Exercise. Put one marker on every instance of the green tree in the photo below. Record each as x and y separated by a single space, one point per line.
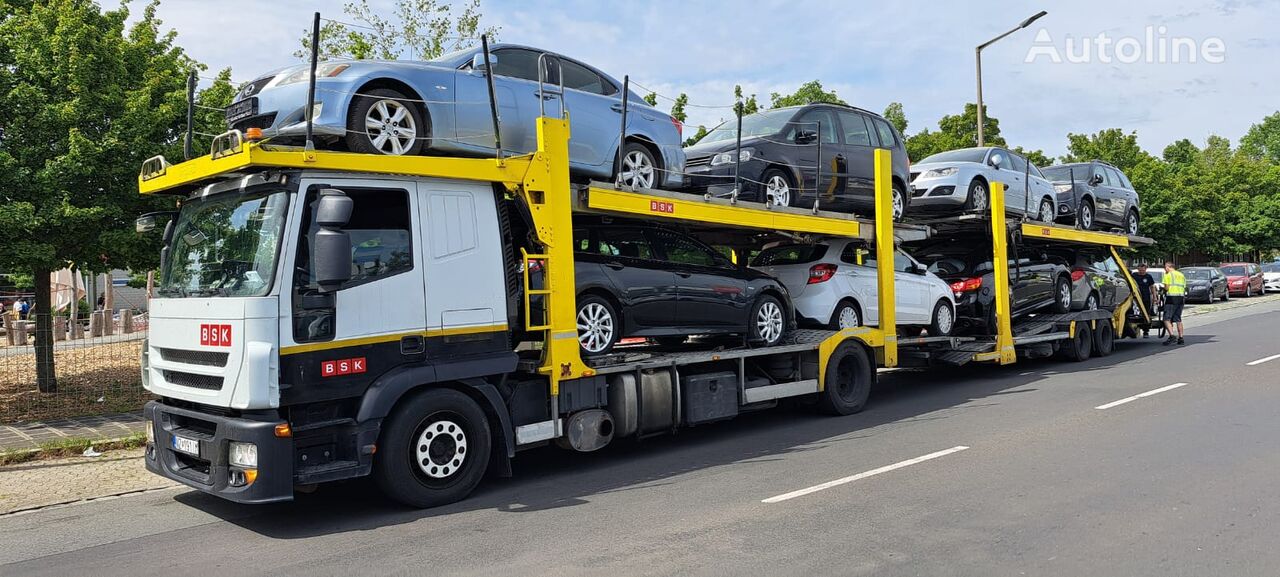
424 28
808 93
749 105
896 116
1037 157
954 131
1112 145
1181 152
651 98
702 131
677 108
1263 140
84 99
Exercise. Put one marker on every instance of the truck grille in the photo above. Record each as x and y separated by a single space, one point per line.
203 358
193 380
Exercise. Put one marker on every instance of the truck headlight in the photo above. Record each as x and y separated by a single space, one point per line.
243 455
727 157
937 172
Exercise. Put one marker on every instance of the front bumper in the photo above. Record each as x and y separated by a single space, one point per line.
210 472
938 193
1202 293
1272 285
719 181
281 110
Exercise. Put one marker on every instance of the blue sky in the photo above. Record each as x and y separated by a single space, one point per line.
871 53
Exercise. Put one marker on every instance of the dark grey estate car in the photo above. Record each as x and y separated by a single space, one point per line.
1096 194
780 158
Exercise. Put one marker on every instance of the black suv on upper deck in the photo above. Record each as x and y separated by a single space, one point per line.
780 158
1096 194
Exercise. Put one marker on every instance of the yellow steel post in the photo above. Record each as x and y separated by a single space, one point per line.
1133 288
1000 264
549 196
884 255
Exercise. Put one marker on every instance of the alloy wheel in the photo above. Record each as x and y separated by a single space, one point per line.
897 204
595 327
441 449
1133 224
1046 211
848 317
1064 295
390 127
777 191
769 321
1086 216
1091 303
980 197
637 170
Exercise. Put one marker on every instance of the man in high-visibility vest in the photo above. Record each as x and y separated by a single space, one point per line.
1175 288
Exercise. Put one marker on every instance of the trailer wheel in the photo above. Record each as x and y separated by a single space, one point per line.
847 384
434 449
1079 347
1104 339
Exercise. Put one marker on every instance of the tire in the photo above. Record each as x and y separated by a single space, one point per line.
1248 291
1046 213
899 203
847 384
599 326
943 320
1226 296
384 121
1079 347
1104 339
454 465
1091 302
1062 295
768 321
979 197
639 167
778 188
1086 218
1131 223
845 316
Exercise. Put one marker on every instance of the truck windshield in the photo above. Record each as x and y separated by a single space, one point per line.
225 245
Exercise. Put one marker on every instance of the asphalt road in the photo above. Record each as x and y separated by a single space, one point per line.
1179 482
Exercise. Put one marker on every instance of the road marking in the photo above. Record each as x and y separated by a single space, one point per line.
852 478
1140 395
1263 360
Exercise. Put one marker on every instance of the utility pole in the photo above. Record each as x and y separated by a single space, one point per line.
978 56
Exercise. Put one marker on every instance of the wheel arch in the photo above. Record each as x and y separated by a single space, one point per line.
788 307
650 145
403 88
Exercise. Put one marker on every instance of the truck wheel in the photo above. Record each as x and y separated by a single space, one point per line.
433 450
768 321
385 121
1104 339
847 384
1081 346
1062 295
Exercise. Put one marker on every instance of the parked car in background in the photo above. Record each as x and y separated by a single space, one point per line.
1097 280
1271 276
1096 195
1244 278
780 158
1205 283
1036 281
442 106
833 288
649 281
961 179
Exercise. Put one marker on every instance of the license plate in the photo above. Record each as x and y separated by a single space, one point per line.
242 110
185 445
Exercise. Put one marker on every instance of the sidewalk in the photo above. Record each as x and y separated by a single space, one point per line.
27 436
53 482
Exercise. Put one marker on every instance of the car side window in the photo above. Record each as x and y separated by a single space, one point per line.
682 250
516 63
579 77
1035 170
623 242
850 254
1102 171
1114 177
887 137
1124 180
855 129
1019 163
815 120
902 262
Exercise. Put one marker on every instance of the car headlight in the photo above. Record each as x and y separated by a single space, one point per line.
727 157
243 455
935 173
1062 187
324 70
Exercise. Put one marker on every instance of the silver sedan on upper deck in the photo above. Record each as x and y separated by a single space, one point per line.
960 180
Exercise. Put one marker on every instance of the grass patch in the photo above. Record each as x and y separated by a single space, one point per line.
71 447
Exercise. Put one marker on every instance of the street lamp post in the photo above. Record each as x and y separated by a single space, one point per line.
978 55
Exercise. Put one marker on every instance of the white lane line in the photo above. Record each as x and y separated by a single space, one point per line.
1262 360
852 478
1140 395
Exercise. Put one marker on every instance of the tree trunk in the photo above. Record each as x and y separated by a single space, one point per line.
46 376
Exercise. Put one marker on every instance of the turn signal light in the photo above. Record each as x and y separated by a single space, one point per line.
966 285
821 273
253 134
283 430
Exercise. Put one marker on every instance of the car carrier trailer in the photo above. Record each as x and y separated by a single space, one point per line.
434 376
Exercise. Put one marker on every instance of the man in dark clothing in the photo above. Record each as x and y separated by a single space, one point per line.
1146 290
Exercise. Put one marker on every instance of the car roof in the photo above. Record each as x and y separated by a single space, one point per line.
827 104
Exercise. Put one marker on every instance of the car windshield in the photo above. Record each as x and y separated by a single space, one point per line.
1273 267
962 155
790 254
765 123
1064 172
1235 270
1197 273
225 245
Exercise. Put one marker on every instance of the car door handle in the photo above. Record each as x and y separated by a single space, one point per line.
544 95
616 108
615 265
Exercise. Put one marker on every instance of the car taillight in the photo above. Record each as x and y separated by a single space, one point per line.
821 273
966 285
1077 274
679 125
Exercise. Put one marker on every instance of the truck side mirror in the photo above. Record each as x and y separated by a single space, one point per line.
149 221
332 245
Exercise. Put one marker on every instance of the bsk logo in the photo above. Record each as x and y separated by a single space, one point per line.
343 367
659 206
215 335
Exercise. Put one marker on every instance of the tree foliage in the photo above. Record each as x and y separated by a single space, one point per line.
896 116
1263 140
808 93
424 29
651 98
749 104
677 107
954 131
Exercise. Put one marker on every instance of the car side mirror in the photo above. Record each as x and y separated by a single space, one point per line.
995 160
1095 180
806 136
332 248
478 63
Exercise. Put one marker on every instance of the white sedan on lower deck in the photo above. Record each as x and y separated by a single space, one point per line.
833 285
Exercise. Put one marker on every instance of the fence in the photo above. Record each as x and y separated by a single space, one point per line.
96 362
